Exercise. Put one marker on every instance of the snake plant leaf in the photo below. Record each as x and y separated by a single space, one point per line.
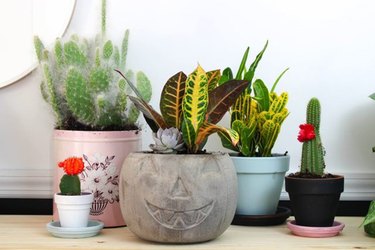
250 73
261 95
208 128
150 113
242 67
222 98
278 79
213 78
171 100
372 96
195 101
226 76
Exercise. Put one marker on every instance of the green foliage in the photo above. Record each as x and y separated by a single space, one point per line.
193 104
257 114
70 185
81 86
312 150
369 221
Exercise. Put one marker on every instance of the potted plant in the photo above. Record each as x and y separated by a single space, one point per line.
180 193
314 194
257 118
93 117
72 205
369 221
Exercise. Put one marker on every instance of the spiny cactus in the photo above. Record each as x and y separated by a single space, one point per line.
312 150
81 85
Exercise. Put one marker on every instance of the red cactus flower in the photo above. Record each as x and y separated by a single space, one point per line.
306 133
72 165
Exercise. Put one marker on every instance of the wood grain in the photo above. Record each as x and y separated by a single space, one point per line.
29 232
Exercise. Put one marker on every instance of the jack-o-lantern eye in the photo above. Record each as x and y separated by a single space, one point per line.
209 169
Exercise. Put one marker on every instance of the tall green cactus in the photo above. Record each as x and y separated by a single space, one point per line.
312 150
81 85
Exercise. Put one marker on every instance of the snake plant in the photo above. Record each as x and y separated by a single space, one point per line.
257 117
193 104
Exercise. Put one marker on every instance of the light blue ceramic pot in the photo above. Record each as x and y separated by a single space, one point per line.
260 180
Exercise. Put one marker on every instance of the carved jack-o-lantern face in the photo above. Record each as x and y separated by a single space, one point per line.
176 193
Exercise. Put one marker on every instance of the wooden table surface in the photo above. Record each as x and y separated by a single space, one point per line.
29 232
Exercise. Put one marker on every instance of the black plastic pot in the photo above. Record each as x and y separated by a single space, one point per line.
314 201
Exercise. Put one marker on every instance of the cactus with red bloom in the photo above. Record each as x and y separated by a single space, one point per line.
312 150
70 183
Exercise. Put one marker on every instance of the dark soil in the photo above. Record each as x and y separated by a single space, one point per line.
310 175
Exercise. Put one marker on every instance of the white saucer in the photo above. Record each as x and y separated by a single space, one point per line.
92 229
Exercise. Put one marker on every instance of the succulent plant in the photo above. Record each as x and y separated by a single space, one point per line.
70 183
193 104
80 84
312 161
257 118
167 141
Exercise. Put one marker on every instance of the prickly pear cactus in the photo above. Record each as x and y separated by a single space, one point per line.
312 150
80 84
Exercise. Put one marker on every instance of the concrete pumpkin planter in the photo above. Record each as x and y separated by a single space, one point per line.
178 198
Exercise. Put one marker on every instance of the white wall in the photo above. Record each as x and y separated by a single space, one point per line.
328 45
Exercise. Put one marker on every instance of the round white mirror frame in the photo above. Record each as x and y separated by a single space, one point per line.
20 20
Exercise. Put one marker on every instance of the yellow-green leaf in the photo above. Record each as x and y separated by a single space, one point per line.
171 100
213 78
208 128
195 101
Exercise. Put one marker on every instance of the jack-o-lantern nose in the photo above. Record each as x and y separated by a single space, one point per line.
179 190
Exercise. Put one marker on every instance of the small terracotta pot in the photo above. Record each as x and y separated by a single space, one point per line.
74 210
314 201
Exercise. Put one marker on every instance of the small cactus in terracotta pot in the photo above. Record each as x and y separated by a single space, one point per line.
314 194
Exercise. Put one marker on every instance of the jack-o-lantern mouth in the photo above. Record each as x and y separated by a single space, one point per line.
179 220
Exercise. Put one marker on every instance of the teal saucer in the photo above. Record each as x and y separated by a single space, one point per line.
92 229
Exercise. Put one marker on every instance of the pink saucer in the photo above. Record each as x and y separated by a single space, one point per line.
315 232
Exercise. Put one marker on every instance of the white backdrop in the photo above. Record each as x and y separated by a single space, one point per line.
328 45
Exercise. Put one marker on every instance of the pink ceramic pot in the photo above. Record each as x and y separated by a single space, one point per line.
103 153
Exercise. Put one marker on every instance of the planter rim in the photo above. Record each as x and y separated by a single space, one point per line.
76 135
335 177
261 165
314 186
179 155
258 158
84 198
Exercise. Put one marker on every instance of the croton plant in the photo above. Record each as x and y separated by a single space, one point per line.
193 105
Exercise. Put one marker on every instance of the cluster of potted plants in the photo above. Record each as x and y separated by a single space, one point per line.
93 117
178 192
